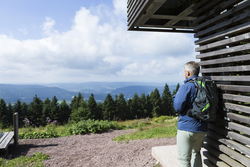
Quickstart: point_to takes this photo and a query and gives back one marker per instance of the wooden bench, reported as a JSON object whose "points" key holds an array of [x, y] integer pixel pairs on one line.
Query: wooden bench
{"points": [[5, 139]]}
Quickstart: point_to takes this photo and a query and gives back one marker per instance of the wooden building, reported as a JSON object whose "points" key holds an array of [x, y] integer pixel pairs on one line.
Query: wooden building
{"points": [[223, 47]]}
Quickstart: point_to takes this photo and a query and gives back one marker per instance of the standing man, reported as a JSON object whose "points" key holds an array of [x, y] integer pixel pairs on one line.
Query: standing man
{"points": [[191, 132]]}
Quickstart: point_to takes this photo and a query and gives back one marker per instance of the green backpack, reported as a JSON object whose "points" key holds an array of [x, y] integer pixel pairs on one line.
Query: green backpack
{"points": [[206, 100]]}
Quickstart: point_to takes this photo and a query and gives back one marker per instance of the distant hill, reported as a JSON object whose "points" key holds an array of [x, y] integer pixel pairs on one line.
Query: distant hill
{"points": [[11, 93]]}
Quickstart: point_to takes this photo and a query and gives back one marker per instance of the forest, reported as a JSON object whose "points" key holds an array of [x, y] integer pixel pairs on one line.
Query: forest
{"points": [[38, 112]]}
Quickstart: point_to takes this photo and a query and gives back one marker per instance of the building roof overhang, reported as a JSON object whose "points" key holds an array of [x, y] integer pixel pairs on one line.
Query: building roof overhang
{"points": [[161, 15]]}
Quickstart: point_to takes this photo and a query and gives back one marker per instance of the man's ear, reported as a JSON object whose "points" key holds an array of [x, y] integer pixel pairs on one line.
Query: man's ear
{"points": [[189, 73]]}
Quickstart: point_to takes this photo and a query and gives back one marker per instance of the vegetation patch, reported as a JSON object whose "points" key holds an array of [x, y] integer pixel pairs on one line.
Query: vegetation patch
{"points": [[22, 161], [153, 130]]}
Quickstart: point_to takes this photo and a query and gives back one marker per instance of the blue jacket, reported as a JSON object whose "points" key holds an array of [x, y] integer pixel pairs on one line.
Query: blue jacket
{"points": [[182, 102]]}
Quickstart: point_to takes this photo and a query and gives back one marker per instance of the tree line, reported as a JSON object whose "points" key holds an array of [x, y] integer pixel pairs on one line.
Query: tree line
{"points": [[118, 108]]}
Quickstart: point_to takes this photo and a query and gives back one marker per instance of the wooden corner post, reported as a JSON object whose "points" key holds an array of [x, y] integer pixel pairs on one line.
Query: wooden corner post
{"points": [[15, 123]]}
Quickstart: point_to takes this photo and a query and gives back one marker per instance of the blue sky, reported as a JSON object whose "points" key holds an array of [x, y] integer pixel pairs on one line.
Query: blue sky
{"points": [[61, 41]]}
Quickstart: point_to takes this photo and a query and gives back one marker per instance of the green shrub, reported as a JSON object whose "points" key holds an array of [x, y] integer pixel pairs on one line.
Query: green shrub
{"points": [[37, 135], [90, 126]]}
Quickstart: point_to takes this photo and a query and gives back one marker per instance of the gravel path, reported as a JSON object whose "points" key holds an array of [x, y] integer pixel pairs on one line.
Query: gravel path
{"points": [[93, 150]]}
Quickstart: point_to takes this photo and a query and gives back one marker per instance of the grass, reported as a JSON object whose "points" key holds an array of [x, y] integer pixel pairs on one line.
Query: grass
{"points": [[165, 128], [22, 161]]}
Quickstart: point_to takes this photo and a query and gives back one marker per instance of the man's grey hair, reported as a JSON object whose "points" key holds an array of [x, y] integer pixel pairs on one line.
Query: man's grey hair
{"points": [[192, 67]]}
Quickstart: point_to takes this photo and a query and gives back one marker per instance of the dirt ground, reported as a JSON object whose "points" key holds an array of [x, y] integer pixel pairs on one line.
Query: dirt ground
{"points": [[93, 150]]}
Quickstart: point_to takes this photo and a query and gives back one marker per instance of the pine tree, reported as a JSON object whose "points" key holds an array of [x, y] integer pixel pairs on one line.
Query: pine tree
{"points": [[121, 107], [108, 108], [46, 111], [24, 111], [3, 114], [136, 109], [129, 106], [99, 115], [79, 108], [9, 114], [167, 104], [92, 107], [144, 105], [149, 107], [35, 111], [155, 99], [54, 109], [64, 111]]}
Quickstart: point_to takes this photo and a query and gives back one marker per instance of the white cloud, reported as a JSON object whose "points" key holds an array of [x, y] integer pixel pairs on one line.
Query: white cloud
{"points": [[98, 47]]}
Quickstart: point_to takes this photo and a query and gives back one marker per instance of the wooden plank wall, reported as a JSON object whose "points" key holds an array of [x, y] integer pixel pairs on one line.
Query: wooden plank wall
{"points": [[223, 44]]}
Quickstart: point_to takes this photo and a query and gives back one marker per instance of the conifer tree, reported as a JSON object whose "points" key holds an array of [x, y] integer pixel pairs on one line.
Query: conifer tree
{"points": [[167, 104], [144, 105], [54, 109], [46, 111], [149, 107], [35, 111], [9, 114], [79, 111], [155, 99], [121, 107], [92, 107], [64, 111], [3, 114], [24, 111], [108, 108], [99, 115], [136, 109], [129, 114]]}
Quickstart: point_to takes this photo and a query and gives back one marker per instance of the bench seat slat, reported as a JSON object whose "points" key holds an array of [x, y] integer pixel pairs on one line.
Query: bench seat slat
{"points": [[6, 140]]}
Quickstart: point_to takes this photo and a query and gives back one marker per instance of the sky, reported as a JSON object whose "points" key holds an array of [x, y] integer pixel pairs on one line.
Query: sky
{"points": [[62, 41]]}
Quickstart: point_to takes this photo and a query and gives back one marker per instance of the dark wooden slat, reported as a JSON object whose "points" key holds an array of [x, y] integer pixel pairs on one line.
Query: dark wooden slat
{"points": [[222, 156], [216, 10], [222, 34], [230, 134], [134, 8], [207, 7], [236, 97], [200, 4], [226, 69], [234, 49], [239, 128], [228, 142], [229, 78], [225, 60], [240, 118], [240, 138], [233, 154], [222, 16], [214, 160], [224, 42], [135, 16], [239, 88], [134, 11], [223, 24], [238, 107]]}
